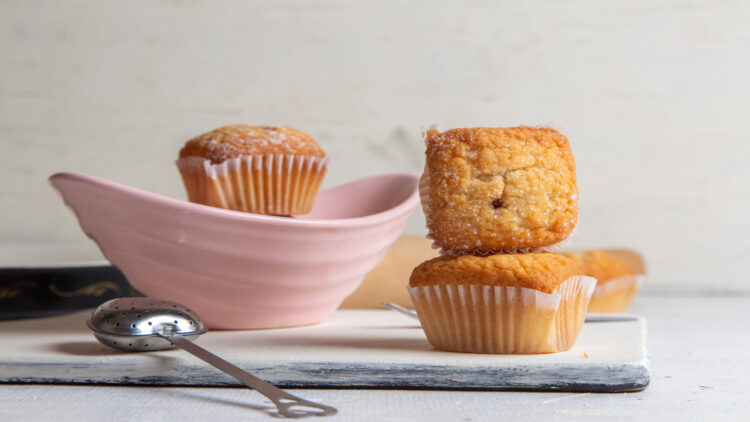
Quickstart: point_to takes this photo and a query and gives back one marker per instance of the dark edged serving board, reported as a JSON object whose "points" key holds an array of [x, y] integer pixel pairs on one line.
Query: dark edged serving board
{"points": [[352, 349]]}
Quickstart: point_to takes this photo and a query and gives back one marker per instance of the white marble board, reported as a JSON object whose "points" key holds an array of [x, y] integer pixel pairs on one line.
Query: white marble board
{"points": [[352, 349]]}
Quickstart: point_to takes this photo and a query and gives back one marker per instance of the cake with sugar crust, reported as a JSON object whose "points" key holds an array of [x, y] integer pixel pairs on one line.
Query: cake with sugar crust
{"points": [[273, 170], [487, 190]]}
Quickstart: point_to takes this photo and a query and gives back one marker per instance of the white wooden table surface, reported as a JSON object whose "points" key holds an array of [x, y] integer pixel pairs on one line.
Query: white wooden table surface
{"points": [[701, 371]]}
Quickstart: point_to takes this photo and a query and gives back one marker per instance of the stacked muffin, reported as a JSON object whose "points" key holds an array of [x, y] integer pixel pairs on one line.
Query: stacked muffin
{"points": [[496, 200]]}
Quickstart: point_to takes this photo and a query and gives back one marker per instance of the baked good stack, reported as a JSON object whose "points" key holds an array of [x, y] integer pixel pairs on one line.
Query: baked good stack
{"points": [[496, 200]]}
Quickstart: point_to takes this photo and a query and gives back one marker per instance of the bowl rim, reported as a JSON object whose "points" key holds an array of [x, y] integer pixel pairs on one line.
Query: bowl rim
{"points": [[406, 205]]}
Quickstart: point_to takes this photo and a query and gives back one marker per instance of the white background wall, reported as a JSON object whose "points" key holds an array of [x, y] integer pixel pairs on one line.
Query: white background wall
{"points": [[654, 96]]}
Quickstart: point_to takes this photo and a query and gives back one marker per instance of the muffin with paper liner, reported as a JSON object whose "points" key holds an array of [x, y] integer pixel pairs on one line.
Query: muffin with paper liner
{"points": [[498, 190], [618, 282], [273, 170], [502, 304]]}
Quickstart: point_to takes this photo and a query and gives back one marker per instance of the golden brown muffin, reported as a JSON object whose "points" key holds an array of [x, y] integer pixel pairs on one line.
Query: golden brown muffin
{"points": [[259, 169], [506, 303], [499, 189], [600, 265], [618, 282], [237, 140], [541, 271]]}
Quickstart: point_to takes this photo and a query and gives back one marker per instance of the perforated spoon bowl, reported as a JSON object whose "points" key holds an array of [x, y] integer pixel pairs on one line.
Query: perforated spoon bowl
{"points": [[140, 324]]}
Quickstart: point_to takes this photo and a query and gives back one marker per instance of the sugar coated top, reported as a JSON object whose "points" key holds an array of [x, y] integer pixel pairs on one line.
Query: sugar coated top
{"points": [[234, 141], [499, 189]]}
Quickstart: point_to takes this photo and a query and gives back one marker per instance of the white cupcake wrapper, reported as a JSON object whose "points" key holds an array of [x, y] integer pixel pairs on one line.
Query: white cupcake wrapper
{"points": [[615, 295], [503, 319], [281, 184]]}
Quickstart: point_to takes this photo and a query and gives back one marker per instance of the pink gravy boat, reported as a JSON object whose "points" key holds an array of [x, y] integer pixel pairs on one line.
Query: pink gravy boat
{"points": [[239, 270]]}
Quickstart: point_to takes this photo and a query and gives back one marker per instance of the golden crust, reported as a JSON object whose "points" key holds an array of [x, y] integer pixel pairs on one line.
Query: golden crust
{"points": [[600, 265], [238, 140], [493, 189], [539, 271], [613, 300]]}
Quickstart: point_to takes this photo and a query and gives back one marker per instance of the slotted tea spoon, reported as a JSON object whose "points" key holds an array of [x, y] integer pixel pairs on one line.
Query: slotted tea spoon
{"points": [[140, 324]]}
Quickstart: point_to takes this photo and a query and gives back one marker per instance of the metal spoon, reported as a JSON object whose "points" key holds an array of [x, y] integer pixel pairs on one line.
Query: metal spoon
{"points": [[146, 324], [589, 318]]}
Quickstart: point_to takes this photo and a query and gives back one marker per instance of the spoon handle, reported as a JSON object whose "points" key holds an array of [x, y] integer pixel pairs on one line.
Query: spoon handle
{"points": [[284, 401], [401, 309], [589, 318]]}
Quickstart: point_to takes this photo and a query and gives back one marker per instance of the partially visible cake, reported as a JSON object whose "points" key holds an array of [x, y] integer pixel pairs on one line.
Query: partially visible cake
{"points": [[618, 282]]}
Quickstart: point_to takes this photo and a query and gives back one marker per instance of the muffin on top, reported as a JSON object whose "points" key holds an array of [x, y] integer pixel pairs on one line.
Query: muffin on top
{"points": [[489, 190]]}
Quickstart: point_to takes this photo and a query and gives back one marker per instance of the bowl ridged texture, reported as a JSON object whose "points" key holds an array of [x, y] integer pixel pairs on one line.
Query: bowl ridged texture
{"points": [[239, 270]]}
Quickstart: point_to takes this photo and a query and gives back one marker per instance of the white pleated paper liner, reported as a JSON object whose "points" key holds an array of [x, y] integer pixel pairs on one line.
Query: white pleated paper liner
{"points": [[265, 184], [503, 319], [615, 295]]}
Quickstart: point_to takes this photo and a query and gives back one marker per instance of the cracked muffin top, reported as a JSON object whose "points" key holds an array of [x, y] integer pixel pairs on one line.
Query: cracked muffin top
{"points": [[541, 271], [234, 141], [499, 189]]}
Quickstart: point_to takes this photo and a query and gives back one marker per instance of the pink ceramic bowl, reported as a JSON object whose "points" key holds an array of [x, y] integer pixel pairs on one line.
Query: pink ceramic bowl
{"points": [[240, 270]]}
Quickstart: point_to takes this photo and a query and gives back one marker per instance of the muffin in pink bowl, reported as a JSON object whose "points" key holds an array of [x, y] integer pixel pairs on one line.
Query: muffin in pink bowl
{"points": [[239, 270], [273, 170]]}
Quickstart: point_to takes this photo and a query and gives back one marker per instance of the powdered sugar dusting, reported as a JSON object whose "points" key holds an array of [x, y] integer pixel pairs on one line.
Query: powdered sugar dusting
{"points": [[491, 190], [238, 140]]}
